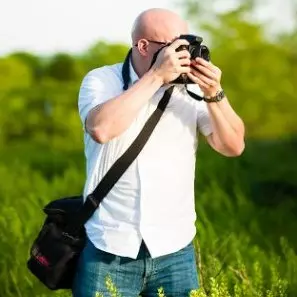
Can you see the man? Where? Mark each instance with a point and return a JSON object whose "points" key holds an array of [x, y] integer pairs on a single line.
{"points": [[141, 235]]}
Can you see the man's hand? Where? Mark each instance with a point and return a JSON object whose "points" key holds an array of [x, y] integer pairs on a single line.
{"points": [[170, 64], [227, 135], [206, 75]]}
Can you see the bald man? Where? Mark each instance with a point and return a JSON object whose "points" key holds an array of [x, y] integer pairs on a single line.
{"points": [[141, 235]]}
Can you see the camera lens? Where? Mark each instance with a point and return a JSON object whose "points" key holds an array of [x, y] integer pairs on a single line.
{"points": [[194, 51], [204, 53]]}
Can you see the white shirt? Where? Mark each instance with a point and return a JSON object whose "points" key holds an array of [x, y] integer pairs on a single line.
{"points": [[154, 199]]}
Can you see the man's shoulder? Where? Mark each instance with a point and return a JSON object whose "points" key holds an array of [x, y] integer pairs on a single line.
{"points": [[107, 72]]}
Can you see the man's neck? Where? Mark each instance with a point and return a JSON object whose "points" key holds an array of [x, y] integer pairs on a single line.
{"points": [[138, 65]]}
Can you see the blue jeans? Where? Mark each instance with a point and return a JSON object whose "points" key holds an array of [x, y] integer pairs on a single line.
{"points": [[175, 273]]}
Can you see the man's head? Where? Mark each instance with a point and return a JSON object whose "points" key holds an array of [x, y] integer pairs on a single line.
{"points": [[153, 29]]}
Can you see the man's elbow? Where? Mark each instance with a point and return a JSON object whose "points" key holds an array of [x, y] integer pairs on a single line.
{"points": [[231, 148], [236, 149], [98, 134]]}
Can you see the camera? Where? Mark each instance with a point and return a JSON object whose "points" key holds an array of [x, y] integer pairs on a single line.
{"points": [[196, 49]]}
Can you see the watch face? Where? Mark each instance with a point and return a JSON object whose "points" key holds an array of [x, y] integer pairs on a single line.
{"points": [[221, 95]]}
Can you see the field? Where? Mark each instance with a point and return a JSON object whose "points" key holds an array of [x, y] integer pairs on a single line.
{"points": [[245, 241]]}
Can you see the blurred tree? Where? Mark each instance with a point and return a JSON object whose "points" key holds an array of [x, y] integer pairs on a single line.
{"points": [[34, 63], [63, 67], [14, 74], [104, 54], [15, 77]]}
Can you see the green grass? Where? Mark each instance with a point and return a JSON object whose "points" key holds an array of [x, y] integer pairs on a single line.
{"points": [[245, 248]]}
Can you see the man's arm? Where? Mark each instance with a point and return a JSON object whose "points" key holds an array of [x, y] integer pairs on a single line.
{"points": [[228, 129], [227, 135], [113, 117]]}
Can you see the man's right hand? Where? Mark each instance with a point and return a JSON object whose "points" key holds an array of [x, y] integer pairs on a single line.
{"points": [[170, 64]]}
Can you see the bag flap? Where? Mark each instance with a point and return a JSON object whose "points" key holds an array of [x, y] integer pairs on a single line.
{"points": [[64, 205]]}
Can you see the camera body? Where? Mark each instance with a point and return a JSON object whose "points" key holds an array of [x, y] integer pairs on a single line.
{"points": [[196, 49]]}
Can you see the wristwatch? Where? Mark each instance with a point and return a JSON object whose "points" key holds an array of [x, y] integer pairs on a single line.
{"points": [[218, 97]]}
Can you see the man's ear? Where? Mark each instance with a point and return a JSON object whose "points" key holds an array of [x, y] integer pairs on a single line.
{"points": [[142, 46]]}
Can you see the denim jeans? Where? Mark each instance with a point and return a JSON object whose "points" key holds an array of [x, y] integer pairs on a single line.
{"points": [[176, 273]]}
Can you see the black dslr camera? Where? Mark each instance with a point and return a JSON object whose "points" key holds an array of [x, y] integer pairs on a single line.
{"points": [[196, 49]]}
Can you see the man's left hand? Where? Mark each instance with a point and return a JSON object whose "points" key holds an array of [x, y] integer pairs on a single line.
{"points": [[206, 75]]}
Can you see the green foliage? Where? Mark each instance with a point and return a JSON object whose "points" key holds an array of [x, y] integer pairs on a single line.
{"points": [[101, 54], [38, 95], [237, 253], [33, 63], [236, 250], [63, 67], [13, 75]]}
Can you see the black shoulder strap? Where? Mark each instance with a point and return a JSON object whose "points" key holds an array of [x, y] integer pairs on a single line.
{"points": [[120, 166]]}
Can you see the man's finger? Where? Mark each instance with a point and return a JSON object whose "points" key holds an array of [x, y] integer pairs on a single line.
{"points": [[203, 62], [183, 54], [177, 43], [184, 62], [183, 69], [197, 80], [203, 78], [204, 70]]}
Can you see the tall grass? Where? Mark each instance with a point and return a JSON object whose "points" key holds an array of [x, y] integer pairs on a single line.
{"points": [[242, 249]]}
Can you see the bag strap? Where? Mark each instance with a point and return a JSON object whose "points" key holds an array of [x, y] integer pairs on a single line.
{"points": [[120, 166]]}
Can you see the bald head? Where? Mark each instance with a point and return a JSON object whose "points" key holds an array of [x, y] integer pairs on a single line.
{"points": [[158, 24]]}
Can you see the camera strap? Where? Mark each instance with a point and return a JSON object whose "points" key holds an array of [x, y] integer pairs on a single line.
{"points": [[126, 71], [193, 95]]}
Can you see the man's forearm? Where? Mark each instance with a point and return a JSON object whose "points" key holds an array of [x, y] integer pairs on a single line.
{"points": [[114, 116], [228, 128], [231, 116]]}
